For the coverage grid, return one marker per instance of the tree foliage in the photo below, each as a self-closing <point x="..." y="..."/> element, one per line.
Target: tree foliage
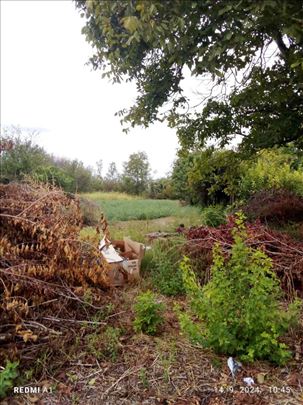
<point x="161" y="189"/>
<point x="135" y="175"/>
<point x="55" y="176"/>
<point x="207" y="177"/>
<point x="252" y="52"/>
<point x="213" y="176"/>
<point x="25" y="158"/>
<point x="112" y="178"/>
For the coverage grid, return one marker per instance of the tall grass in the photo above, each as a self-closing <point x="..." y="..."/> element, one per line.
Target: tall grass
<point x="122" y="207"/>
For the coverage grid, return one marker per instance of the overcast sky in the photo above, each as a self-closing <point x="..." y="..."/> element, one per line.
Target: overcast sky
<point x="45" y="84"/>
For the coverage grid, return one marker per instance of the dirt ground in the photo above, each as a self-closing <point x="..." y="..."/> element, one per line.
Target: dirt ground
<point x="159" y="370"/>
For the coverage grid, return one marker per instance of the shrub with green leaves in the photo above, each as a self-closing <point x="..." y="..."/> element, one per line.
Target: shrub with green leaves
<point x="239" y="309"/>
<point x="111" y="342"/>
<point x="148" y="313"/>
<point x="166" y="274"/>
<point x="214" y="215"/>
<point x="104" y="345"/>
<point x="7" y="377"/>
<point x="273" y="169"/>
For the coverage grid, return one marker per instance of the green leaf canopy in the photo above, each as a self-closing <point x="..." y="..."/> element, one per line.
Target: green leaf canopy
<point x="252" y="51"/>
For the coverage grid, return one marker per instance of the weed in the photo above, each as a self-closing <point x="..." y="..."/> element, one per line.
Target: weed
<point x="75" y="399"/>
<point x="214" y="215"/>
<point x="166" y="274"/>
<point x="216" y="362"/>
<point x="7" y="377"/>
<point x="143" y="377"/>
<point x="105" y="344"/>
<point x="28" y="374"/>
<point x="105" y="196"/>
<point x="102" y="314"/>
<point x="112" y="336"/>
<point x="149" y="313"/>
<point x="72" y="377"/>
<point x="93" y="344"/>
<point x="239" y="307"/>
<point x="88" y="297"/>
<point x="167" y="355"/>
<point x="121" y="207"/>
<point x="42" y="362"/>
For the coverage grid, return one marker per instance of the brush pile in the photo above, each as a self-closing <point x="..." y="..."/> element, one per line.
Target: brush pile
<point x="39" y="237"/>
<point x="286" y="254"/>
<point x="275" y="206"/>
<point x="42" y="257"/>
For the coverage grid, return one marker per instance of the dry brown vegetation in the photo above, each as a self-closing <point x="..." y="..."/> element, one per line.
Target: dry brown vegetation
<point x="44" y="266"/>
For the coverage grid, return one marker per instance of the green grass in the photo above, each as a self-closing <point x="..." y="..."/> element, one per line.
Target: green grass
<point x="137" y="229"/>
<point x="122" y="207"/>
<point x="134" y="229"/>
<point x="136" y="217"/>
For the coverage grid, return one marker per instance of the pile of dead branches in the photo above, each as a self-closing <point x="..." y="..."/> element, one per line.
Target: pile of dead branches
<point x="39" y="237"/>
<point x="42" y="258"/>
<point x="286" y="254"/>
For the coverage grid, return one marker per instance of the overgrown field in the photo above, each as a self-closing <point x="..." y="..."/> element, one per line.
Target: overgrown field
<point x="63" y="330"/>
<point x="122" y="207"/>
<point x="135" y="217"/>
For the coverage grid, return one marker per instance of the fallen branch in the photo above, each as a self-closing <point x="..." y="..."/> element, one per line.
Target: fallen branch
<point x="124" y="375"/>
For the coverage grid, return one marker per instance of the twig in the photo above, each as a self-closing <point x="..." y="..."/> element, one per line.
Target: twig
<point x="51" y="318"/>
<point x="116" y="314"/>
<point x="43" y="303"/>
<point x="94" y="373"/>
<point x="76" y="298"/>
<point x="16" y="217"/>
<point x="37" y="325"/>
<point x="36" y="201"/>
<point x="126" y="374"/>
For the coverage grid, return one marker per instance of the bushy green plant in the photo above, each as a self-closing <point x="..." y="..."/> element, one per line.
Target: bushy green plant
<point x="111" y="342"/>
<point x="209" y="176"/>
<point x="7" y="377"/>
<point x="214" y="215"/>
<point x="105" y="344"/>
<point x="166" y="273"/>
<point x="273" y="169"/>
<point x="239" y="308"/>
<point x="148" y="313"/>
<point x="55" y="176"/>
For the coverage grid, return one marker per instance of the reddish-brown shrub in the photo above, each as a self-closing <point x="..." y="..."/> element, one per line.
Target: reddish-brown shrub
<point x="278" y="206"/>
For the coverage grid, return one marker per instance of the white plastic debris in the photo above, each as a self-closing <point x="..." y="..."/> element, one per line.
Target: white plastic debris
<point x="249" y="381"/>
<point x="233" y="365"/>
<point x="109" y="252"/>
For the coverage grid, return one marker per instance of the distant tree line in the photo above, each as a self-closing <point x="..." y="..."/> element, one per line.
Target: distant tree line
<point x="203" y="176"/>
<point x="25" y="159"/>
